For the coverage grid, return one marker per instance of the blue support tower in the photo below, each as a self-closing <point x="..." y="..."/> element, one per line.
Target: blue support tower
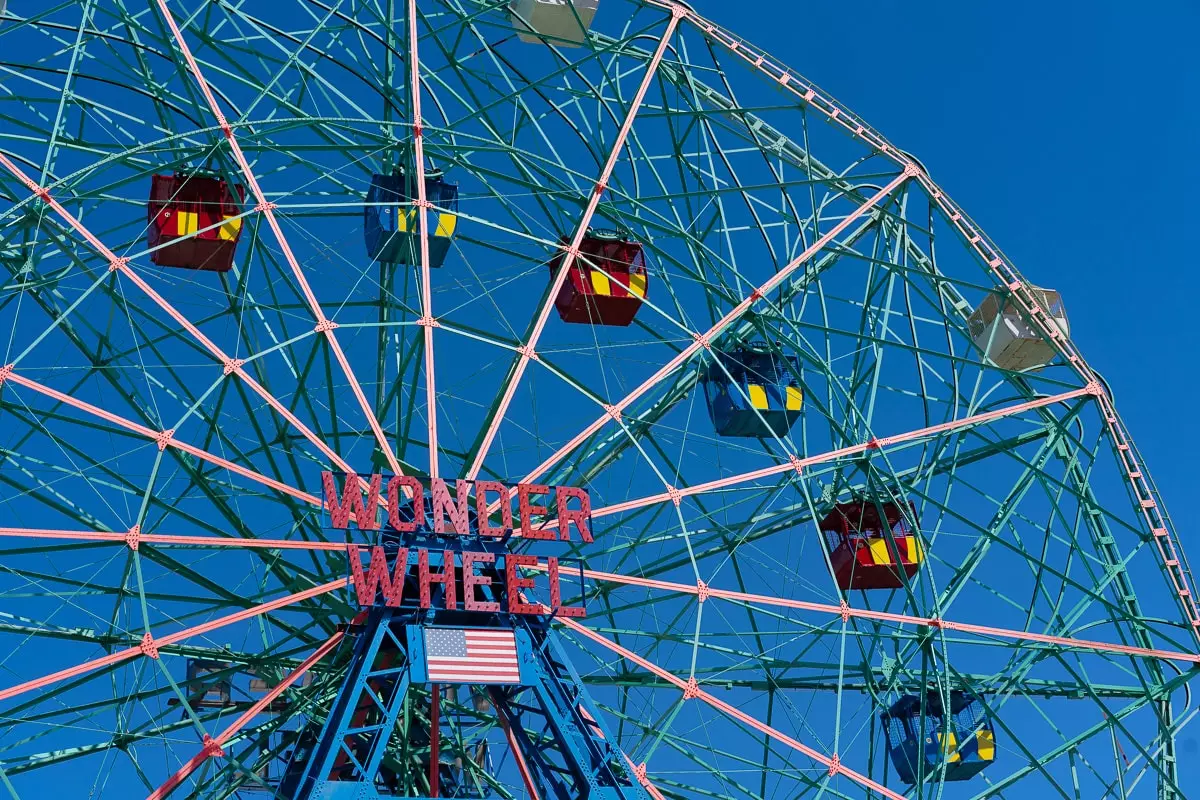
<point x="349" y="751"/>
<point x="383" y="730"/>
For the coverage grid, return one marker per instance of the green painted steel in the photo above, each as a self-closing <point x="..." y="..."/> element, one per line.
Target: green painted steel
<point x="1030" y="519"/>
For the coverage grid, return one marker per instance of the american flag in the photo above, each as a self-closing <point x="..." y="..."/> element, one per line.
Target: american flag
<point x="471" y="655"/>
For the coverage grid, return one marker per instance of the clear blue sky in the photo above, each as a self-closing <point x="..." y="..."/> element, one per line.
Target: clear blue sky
<point x="1067" y="130"/>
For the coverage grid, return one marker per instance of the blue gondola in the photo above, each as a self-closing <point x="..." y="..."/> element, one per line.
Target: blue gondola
<point x="753" y="391"/>
<point x="393" y="233"/>
<point x="964" y="739"/>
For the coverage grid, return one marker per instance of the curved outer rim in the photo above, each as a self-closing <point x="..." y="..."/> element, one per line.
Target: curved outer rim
<point x="1173" y="560"/>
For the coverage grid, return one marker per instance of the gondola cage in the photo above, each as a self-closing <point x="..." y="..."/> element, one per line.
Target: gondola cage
<point x="1008" y="338"/>
<point x="393" y="232"/>
<point x="860" y="551"/>
<point x="562" y="23"/>
<point x="181" y="207"/>
<point x="752" y="391"/>
<point x="963" y="739"/>
<point x="215" y="692"/>
<point x="607" y="282"/>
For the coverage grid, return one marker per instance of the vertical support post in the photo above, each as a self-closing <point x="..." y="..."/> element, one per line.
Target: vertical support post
<point x="427" y="320"/>
<point x="1168" y="777"/>
<point x="435" y="715"/>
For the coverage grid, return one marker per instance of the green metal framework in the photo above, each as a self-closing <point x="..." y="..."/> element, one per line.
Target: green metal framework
<point x="162" y="430"/>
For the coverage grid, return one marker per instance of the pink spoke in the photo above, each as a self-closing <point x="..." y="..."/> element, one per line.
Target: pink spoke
<point x="518" y="757"/>
<point x="692" y="690"/>
<point x="212" y="746"/>
<point x="639" y="771"/>
<point x="529" y="349"/>
<point x="849" y="612"/>
<point x="164" y="438"/>
<point x="150" y="645"/>
<point x="235" y="368"/>
<point x="798" y="464"/>
<point x="324" y="325"/>
<point x="705" y="340"/>
<point x="423" y="206"/>
<point x="118" y="264"/>
<point x="132" y="539"/>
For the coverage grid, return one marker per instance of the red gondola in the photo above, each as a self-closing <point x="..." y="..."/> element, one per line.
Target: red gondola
<point x="862" y="555"/>
<point x="607" y="282"/>
<point x="180" y="208"/>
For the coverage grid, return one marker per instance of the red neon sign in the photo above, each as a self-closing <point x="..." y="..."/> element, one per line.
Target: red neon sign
<point x="399" y="505"/>
<point x="458" y="570"/>
<point x="405" y="507"/>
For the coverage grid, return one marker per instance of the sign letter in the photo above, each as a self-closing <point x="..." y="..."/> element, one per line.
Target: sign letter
<point x="471" y="580"/>
<point x="581" y="518"/>
<point x="377" y="576"/>
<point x="506" y="521"/>
<point x="446" y="578"/>
<point x="458" y="509"/>
<point x="556" y="605"/>
<point x="418" y="503"/>
<point x="515" y="583"/>
<point x="339" y="513"/>
<point x="529" y="510"/>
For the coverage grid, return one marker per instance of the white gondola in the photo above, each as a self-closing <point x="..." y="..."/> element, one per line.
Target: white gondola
<point x="1009" y="339"/>
<point x="564" y="23"/>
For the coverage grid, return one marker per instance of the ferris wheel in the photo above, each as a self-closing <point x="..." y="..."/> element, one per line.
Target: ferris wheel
<point x="538" y="399"/>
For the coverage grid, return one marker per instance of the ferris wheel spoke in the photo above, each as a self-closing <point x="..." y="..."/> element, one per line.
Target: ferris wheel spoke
<point x="529" y="348"/>
<point x="164" y="438"/>
<point x="213" y="747"/>
<point x="692" y="690"/>
<point x="797" y="464"/>
<point x="267" y="209"/>
<point x="120" y="479"/>
<point x="150" y="645"/>
<point x="684" y="382"/>
<point x="706" y="339"/>
<point x="703" y="591"/>
<point x="427" y="320"/>
<point x="178" y="539"/>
